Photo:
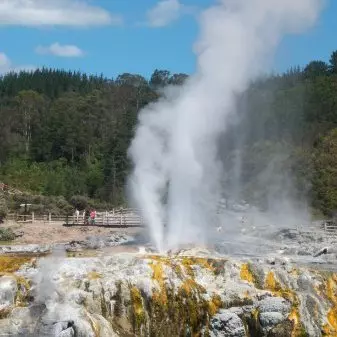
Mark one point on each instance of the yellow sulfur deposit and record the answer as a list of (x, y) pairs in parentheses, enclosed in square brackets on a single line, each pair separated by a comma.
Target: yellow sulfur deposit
[(138, 313), (93, 275), (214, 305), (159, 296), (246, 274), (330, 329), (11, 264)]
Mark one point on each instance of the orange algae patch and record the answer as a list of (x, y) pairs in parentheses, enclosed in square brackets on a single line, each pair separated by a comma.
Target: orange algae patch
[(136, 300), (138, 313), (246, 273), (202, 262), (190, 287), (275, 287), (271, 283), (330, 329), (159, 296), (214, 305), (184, 264), (11, 264)]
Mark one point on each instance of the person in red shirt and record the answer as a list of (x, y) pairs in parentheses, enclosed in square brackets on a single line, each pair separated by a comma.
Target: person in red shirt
[(93, 216)]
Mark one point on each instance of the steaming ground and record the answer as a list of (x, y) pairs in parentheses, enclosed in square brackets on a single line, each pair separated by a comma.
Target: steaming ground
[(240, 232)]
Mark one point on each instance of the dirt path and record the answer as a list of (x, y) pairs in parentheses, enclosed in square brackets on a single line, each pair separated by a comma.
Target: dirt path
[(42, 233)]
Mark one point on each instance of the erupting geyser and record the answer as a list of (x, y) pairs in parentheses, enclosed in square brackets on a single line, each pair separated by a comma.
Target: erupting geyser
[(176, 171)]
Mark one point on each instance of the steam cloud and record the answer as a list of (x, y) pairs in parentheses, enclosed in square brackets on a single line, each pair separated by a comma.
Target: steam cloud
[(176, 170)]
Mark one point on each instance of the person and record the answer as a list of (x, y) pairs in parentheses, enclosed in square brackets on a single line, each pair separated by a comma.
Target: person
[(86, 217), (93, 216), (77, 214)]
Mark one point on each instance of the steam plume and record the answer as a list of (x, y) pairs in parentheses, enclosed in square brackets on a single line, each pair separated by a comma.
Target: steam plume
[(176, 170)]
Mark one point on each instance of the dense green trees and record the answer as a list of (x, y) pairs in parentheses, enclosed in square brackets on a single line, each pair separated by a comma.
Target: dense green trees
[(67, 134), (325, 173)]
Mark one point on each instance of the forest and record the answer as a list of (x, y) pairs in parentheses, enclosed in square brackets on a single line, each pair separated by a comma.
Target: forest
[(66, 134)]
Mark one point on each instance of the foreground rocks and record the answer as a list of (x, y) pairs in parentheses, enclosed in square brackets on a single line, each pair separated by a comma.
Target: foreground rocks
[(153, 295), (26, 249), (97, 242)]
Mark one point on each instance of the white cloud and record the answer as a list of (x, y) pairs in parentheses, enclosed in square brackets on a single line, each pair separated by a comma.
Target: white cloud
[(57, 49), (165, 12), (6, 65), (54, 12)]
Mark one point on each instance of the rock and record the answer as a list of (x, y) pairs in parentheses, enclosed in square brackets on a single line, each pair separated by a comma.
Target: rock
[(66, 333), (274, 304), (272, 311), (304, 282), (321, 252), (26, 249), (62, 326), (98, 242), (8, 289), (269, 319), (227, 324)]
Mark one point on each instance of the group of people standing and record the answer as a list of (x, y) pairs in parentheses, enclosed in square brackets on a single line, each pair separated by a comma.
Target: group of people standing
[(88, 216)]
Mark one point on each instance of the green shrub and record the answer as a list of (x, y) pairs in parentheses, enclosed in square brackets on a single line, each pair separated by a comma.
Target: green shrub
[(3, 205), (6, 234), (79, 202)]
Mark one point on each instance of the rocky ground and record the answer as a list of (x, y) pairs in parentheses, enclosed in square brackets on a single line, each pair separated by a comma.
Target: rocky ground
[(115, 285), (50, 233)]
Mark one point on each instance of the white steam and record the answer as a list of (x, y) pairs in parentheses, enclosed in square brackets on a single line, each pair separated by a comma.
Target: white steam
[(176, 171)]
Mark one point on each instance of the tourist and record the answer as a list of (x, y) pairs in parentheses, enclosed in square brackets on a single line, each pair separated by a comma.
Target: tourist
[(77, 215), (87, 217), (93, 216)]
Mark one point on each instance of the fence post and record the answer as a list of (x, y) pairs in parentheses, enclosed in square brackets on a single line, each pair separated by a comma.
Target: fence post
[(49, 218), (121, 219), (33, 217)]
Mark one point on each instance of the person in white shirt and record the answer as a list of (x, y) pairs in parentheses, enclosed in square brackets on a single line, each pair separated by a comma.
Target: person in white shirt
[(77, 214)]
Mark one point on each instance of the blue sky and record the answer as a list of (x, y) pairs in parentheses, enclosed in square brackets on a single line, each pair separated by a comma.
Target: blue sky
[(137, 36)]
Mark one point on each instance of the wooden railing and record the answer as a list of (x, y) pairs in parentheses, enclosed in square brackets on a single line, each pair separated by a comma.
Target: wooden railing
[(330, 227), (32, 217), (114, 218)]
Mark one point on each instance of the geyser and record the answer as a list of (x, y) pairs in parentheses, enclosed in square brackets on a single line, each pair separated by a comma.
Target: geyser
[(175, 181)]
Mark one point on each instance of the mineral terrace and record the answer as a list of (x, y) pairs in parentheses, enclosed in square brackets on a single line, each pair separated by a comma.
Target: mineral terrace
[(66, 291)]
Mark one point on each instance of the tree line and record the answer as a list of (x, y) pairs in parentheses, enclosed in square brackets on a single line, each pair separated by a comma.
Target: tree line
[(67, 134)]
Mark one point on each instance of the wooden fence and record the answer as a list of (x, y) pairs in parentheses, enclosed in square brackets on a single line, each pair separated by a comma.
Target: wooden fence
[(114, 218), (330, 226)]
